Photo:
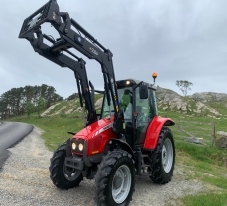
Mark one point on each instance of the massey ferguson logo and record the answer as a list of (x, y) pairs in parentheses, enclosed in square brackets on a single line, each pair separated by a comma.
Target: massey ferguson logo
[(94, 51)]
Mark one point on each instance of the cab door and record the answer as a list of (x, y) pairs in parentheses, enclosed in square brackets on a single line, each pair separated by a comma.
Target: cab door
[(146, 110)]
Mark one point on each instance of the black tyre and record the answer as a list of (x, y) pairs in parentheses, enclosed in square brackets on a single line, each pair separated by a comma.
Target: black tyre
[(115, 179), (62, 176), (163, 158)]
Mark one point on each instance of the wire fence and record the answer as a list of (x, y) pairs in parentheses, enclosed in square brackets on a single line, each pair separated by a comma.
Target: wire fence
[(195, 132)]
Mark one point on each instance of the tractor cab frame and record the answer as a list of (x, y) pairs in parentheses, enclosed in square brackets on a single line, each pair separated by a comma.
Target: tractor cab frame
[(138, 111)]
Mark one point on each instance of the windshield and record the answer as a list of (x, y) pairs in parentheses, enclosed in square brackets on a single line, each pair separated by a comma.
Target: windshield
[(125, 100)]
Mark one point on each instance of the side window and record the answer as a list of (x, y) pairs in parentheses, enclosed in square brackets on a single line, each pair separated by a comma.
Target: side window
[(125, 99), (144, 107)]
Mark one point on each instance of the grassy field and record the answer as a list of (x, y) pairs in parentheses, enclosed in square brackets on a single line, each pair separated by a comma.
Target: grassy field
[(199, 162), (202, 162)]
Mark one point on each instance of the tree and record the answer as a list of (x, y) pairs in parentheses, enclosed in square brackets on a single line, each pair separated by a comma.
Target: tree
[(41, 104), (29, 108), (73, 96), (27, 99), (184, 86)]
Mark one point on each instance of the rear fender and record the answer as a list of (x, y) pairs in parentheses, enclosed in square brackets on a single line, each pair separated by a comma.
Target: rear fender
[(154, 130), (122, 144)]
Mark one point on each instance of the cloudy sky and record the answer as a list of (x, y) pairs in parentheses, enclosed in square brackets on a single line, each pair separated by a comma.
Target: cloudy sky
[(178, 39)]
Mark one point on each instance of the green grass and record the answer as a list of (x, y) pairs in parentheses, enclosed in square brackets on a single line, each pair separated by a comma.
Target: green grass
[(203, 154), (55, 128), (197, 130), (98, 96), (58, 107), (217, 181), (210, 199), (205, 164)]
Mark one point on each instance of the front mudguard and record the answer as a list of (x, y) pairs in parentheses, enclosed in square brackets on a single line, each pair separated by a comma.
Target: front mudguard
[(115, 143), (154, 130)]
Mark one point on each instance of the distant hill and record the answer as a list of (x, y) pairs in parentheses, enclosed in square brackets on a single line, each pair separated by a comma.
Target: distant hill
[(70, 107), (208, 104), (209, 97), (213, 105)]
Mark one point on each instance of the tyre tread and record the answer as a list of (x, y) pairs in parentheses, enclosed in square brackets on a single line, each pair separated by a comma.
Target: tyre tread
[(101, 177), (56, 174), (156, 175)]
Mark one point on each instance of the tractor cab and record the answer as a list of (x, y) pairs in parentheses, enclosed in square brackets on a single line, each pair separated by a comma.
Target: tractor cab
[(138, 110)]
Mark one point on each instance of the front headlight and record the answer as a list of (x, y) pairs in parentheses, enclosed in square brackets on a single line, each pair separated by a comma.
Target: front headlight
[(77, 145), (73, 146), (81, 147)]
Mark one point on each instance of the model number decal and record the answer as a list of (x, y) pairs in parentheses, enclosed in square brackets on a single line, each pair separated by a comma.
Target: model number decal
[(102, 130), (94, 51)]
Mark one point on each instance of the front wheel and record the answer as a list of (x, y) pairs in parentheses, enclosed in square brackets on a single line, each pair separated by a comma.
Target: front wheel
[(63, 177), (163, 158), (115, 179)]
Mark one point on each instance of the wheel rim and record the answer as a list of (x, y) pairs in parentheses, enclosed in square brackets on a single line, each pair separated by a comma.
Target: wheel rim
[(167, 155), (70, 174), (121, 184)]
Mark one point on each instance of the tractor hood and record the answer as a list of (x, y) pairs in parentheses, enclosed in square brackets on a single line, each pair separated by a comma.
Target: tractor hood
[(94, 129), (95, 136)]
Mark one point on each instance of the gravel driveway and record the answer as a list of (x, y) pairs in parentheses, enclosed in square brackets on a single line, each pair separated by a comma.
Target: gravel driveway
[(24, 180)]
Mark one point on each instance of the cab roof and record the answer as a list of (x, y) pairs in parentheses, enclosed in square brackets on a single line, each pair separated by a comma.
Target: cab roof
[(131, 82)]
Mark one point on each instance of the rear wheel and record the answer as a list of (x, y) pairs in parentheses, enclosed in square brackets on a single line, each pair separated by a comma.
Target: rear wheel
[(115, 179), (163, 158), (63, 177)]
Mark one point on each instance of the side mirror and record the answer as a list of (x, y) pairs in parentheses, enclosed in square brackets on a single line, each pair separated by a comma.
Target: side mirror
[(143, 91)]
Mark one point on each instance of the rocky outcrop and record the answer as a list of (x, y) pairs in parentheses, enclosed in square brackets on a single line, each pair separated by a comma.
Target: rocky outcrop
[(209, 97), (46, 113), (98, 103), (170, 100), (69, 111), (221, 133), (222, 142), (201, 106)]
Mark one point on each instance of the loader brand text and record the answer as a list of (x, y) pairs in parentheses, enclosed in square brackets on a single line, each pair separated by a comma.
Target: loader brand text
[(114, 93), (113, 88), (94, 51)]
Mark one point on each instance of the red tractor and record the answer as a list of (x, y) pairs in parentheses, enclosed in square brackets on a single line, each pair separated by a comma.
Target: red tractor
[(126, 139)]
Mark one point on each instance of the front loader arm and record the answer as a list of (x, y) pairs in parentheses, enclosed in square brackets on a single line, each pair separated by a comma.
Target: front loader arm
[(86, 44), (78, 67)]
